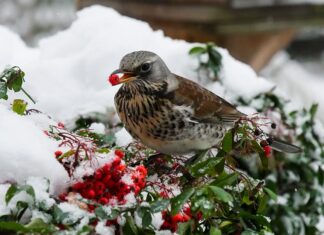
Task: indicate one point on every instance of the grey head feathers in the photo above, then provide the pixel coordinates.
(146, 65)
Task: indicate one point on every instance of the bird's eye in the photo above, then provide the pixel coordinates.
(145, 67)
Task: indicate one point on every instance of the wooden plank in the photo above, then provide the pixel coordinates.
(224, 19)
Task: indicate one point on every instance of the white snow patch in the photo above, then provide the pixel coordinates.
(102, 229)
(26, 151)
(97, 128)
(123, 138)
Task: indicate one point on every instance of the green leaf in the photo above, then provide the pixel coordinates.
(3, 90)
(38, 225)
(102, 214)
(256, 146)
(185, 228)
(215, 231)
(178, 201)
(225, 179)
(264, 160)
(21, 208)
(11, 192)
(146, 219)
(14, 189)
(12, 226)
(159, 205)
(221, 194)
(228, 142)
(313, 110)
(15, 78)
(204, 167)
(197, 50)
(19, 106)
(59, 215)
(130, 227)
(271, 194)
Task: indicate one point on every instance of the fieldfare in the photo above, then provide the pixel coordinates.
(169, 113)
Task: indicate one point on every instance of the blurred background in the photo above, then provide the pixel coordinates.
(281, 39)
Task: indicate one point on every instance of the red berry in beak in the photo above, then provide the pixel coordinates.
(114, 79)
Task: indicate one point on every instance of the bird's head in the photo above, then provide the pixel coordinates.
(144, 65)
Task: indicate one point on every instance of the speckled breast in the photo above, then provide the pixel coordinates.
(148, 115)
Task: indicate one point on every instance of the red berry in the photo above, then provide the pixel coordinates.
(185, 218)
(58, 153)
(60, 125)
(106, 168)
(116, 161)
(98, 175)
(103, 200)
(98, 187)
(199, 215)
(62, 196)
(187, 211)
(142, 170)
(121, 167)
(90, 193)
(91, 208)
(113, 79)
(177, 218)
(119, 153)
(78, 186)
(267, 150)
(106, 179)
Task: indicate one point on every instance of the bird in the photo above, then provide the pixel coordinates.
(169, 113)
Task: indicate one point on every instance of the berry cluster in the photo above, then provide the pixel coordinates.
(171, 222)
(106, 185)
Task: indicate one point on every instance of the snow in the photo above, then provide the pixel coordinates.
(41, 187)
(299, 85)
(26, 151)
(102, 229)
(97, 128)
(4, 210)
(123, 138)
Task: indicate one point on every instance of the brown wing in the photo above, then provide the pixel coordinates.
(207, 106)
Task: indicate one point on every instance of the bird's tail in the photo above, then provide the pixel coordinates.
(285, 147)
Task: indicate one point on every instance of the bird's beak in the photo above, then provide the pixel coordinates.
(126, 77)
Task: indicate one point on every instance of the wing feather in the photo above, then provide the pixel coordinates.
(207, 107)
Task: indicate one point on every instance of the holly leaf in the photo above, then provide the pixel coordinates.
(225, 179)
(178, 201)
(221, 194)
(197, 50)
(159, 205)
(19, 106)
(146, 219)
(130, 226)
(3, 90)
(271, 194)
(15, 78)
(215, 231)
(228, 142)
